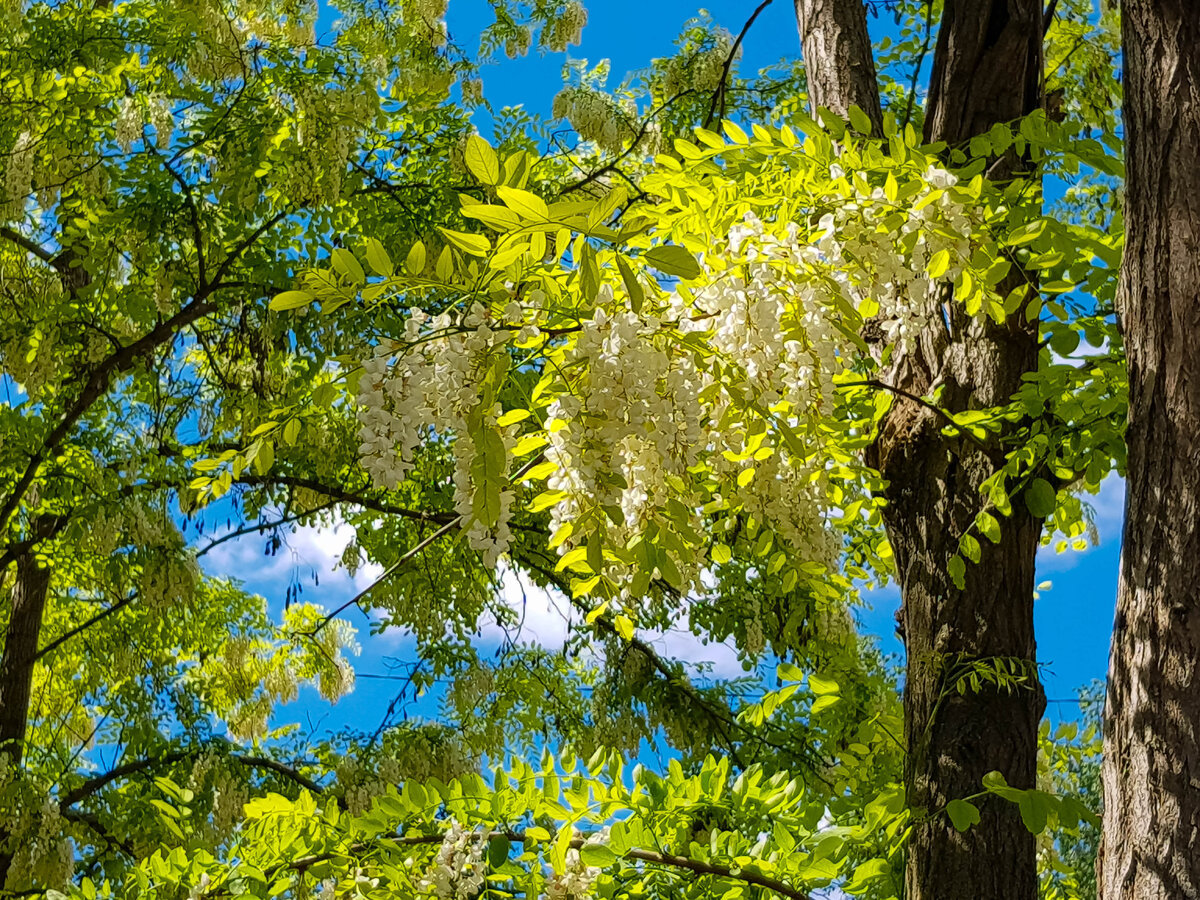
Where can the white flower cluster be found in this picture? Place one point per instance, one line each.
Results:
(18, 177)
(458, 870)
(326, 124)
(133, 116)
(702, 70)
(430, 20)
(634, 412)
(42, 854)
(410, 389)
(128, 123)
(574, 882)
(519, 42)
(566, 28)
(595, 115)
(472, 91)
(887, 262)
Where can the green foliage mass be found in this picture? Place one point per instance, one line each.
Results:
(211, 217)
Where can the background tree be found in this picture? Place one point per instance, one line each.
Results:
(1151, 744)
(987, 71)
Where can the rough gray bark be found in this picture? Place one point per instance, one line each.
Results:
(838, 61)
(1151, 842)
(987, 70)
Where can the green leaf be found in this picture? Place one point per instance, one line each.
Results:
(989, 526)
(414, 264)
(860, 121)
(963, 814)
(512, 417)
(957, 570)
(527, 205)
(597, 855)
(721, 553)
(1040, 498)
(378, 259)
(545, 500)
(969, 547)
(939, 264)
(632, 286)
(481, 160)
(672, 259)
(487, 471)
(291, 300)
(498, 848)
(347, 266)
(499, 218)
(825, 701)
(734, 133)
(1034, 809)
(1064, 341)
(474, 244)
(624, 627)
(819, 685)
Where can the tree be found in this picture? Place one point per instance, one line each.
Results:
(422, 393)
(987, 71)
(1151, 803)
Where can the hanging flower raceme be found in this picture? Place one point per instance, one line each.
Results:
(444, 388)
(673, 423)
(458, 869)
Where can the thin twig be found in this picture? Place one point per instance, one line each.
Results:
(387, 573)
(722, 87)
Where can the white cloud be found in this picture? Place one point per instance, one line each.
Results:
(308, 550)
(544, 617)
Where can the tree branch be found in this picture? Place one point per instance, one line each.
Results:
(671, 860)
(723, 85)
(27, 245)
(84, 626)
(98, 783)
(387, 573)
(345, 495)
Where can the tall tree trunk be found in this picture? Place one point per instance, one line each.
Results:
(838, 62)
(987, 69)
(17, 661)
(1151, 841)
(20, 652)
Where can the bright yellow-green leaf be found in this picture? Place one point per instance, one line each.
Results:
(527, 205)
(378, 259)
(939, 264)
(415, 263)
(347, 266)
(624, 626)
(290, 300)
(481, 160)
(474, 244)
(512, 417)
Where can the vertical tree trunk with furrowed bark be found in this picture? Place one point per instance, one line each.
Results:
(28, 606)
(20, 652)
(987, 69)
(1151, 840)
(838, 62)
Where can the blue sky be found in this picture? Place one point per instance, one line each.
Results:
(1073, 617)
